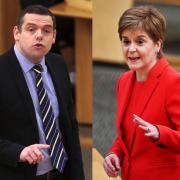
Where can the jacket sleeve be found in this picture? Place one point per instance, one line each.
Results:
(76, 163)
(116, 146)
(170, 136)
(10, 152)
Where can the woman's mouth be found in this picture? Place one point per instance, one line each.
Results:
(133, 59)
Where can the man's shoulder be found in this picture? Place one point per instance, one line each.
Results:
(126, 75)
(54, 57)
(7, 54)
(5, 57)
(56, 61)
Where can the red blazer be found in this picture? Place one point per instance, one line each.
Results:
(160, 105)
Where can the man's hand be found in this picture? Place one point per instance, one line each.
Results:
(32, 154)
(111, 165)
(150, 130)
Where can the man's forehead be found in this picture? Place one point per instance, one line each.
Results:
(38, 19)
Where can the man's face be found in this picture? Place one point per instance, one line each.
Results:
(36, 36)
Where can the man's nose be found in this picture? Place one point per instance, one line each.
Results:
(39, 34)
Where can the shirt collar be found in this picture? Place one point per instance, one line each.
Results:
(25, 63)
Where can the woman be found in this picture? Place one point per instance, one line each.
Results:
(148, 103)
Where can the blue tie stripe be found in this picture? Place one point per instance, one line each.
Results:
(51, 140)
(56, 155)
(52, 134)
(47, 124)
(47, 112)
(45, 106)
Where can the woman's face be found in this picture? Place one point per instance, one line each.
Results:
(139, 50)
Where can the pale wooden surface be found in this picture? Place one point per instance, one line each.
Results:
(80, 4)
(63, 9)
(106, 43)
(98, 171)
(83, 59)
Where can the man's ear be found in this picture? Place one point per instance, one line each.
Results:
(54, 36)
(16, 33)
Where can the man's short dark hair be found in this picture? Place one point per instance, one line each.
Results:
(35, 9)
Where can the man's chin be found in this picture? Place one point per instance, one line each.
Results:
(37, 58)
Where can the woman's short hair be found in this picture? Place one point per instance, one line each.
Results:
(147, 18)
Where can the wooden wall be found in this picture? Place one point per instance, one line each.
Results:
(106, 43)
(9, 10)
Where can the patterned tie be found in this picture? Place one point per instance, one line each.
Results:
(53, 136)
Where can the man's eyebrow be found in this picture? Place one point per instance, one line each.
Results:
(32, 24)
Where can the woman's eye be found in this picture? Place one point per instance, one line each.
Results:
(140, 42)
(126, 42)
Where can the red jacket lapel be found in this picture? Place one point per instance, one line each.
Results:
(150, 87)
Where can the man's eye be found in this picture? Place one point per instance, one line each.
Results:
(31, 29)
(47, 31)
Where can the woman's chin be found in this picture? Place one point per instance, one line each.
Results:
(133, 67)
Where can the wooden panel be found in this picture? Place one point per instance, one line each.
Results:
(83, 56)
(83, 59)
(174, 60)
(1, 26)
(172, 2)
(9, 11)
(106, 43)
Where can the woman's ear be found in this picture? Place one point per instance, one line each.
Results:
(159, 46)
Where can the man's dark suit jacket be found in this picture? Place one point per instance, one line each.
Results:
(18, 126)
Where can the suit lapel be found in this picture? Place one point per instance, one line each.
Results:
(123, 100)
(18, 76)
(124, 96)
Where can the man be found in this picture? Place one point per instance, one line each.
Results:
(31, 97)
(64, 36)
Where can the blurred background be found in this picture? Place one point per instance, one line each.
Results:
(74, 42)
(88, 40)
(108, 62)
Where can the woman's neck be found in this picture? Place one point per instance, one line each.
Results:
(142, 74)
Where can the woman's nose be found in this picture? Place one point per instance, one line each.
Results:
(132, 47)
